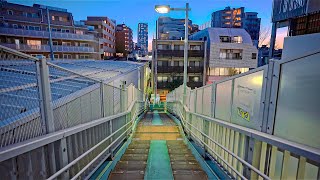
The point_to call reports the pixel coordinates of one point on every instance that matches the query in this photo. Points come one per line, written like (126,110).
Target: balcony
(180,53)
(195,69)
(170,69)
(46,48)
(45,34)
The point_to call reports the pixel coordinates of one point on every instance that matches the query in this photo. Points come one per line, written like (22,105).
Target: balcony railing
(46,48)
(179,69)
(45,34)
(180,53)
(195,69)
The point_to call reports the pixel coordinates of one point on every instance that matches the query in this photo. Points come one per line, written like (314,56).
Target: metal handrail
(55,175)
(31,144)
(297,148)
(225,149)
(17,53)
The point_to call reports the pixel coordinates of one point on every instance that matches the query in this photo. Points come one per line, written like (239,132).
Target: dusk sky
(131,12)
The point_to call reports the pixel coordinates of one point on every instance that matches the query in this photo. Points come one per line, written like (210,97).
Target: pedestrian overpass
(58,123)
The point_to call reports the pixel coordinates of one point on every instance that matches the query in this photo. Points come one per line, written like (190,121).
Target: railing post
(102,99)
(47,119)
(213,100)
(46,113)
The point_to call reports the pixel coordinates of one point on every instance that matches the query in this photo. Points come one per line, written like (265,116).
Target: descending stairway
(157,151)
(184,164)
(133,163)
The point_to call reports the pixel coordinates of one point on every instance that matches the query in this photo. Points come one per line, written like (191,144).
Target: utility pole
(50,36)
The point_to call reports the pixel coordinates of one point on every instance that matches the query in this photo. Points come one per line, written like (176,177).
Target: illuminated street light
(165,9)
(162,9)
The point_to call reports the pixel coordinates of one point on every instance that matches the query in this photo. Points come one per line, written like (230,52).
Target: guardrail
(259,124)
(45,34)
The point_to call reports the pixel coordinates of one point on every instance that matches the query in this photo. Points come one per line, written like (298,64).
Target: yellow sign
(243,114)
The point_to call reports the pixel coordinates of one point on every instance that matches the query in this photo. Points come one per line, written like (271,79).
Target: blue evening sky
(131,12)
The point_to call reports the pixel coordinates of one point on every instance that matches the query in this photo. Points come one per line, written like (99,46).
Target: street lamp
(166,9)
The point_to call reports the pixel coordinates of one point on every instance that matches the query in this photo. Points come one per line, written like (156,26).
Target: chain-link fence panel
(20,99)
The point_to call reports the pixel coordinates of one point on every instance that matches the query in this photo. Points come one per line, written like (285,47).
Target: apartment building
(238,18)
(25,28)
(124,42)
(106,29)
(229,51)
(169,64)
(143,38)
(171,28)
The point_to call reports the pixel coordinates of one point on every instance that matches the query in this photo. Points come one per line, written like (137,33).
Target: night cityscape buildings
(171,28)
(143,38)
(124,41)
(238,18)
(25,28)
(106,32)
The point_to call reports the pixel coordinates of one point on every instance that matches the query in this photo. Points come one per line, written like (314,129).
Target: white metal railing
(75,123)
(245,127)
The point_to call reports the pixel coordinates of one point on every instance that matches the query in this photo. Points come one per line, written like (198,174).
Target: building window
(56,56)
(34,44)
(162,79)
(84,44)
(226,71)
(195,47)
(226,39)
(163,47)
(194,79)
(66,56)
(55,43)
(66,43)
(84,56)
(37,28)
(237,39)
(15,26)
(10,12)
(254,56)
(178,47)
(230,54)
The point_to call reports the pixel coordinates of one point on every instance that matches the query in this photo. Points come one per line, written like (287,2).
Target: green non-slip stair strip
(156,120)
(158,166)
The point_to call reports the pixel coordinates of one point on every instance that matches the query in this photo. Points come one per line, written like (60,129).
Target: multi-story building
(170,28)
(106,29)
(238,18)
(229,51)
(169,64)
(143,38)
(124,43)
(25,28)
(263,55)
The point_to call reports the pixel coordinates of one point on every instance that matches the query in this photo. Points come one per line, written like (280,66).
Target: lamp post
(166,9)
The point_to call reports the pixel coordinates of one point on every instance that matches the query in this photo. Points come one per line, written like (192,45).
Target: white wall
(297,46)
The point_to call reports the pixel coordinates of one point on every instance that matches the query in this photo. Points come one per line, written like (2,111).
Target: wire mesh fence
(19,105)
(76,103)
(75,98)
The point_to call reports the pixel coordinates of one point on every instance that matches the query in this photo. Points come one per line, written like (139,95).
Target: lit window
(237,39)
